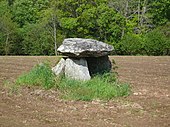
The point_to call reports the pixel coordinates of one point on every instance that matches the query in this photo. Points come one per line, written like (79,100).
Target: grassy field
(147,106)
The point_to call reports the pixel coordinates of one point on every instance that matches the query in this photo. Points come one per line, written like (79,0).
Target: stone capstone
(78,47)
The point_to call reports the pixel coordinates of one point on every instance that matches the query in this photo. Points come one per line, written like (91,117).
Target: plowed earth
(147,106)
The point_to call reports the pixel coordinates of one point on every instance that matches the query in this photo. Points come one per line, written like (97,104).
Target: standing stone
(59,69)
(77,69)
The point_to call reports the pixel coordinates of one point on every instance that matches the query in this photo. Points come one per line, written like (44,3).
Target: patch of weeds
(40,75)
(114,67)
(137,112)
(100,87)
(12,88)
(103,87)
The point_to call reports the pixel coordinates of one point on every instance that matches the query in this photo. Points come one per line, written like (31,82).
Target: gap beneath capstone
(98,65)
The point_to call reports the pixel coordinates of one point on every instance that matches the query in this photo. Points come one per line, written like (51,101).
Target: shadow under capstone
(98,65)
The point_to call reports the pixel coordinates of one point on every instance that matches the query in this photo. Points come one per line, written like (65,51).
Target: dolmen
(83,59)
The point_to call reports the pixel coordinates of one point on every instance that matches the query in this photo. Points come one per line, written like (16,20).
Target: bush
(131,44)
(155,43)
(102,87)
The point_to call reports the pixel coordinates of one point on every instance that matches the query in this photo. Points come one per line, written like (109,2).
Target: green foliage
(110,24)
(165,29)
(27,11)
(37,27)
(8,30)
(36,40)
(99,87)
(102,87)
(156,43)
(40,75)
(89,19)
(160,10)
(131,44)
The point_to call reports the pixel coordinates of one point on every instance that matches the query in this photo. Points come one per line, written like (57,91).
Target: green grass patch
(40,75)
(96,88)
(103,87)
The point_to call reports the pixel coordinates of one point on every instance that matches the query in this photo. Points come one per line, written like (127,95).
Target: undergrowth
(103,87)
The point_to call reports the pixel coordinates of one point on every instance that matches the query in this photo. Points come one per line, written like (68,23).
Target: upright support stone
(77,69)
(59,69)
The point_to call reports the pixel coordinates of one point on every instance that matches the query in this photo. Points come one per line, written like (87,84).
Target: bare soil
(147,106)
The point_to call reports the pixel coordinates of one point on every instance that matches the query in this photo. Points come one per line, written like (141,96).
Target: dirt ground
(147,106)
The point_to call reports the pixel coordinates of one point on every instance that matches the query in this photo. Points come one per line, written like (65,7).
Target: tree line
(38,27)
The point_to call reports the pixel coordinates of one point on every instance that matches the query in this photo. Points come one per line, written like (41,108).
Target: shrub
(131,44)
(155,43)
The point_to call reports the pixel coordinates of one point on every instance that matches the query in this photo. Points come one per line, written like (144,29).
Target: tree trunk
(143,13)
(6,45)
(54,34)
(125,14)
(138,13)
